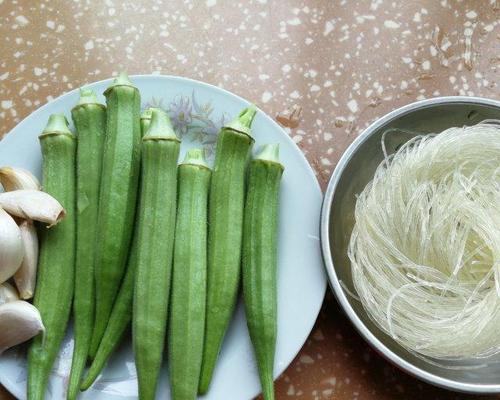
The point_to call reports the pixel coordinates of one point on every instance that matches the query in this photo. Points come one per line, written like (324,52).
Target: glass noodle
(425,248)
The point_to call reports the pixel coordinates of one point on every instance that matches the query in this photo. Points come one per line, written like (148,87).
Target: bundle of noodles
(425,248)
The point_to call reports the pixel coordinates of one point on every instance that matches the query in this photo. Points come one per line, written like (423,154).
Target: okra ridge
(269,163)
(202,167)
(106,92)
(57,125)
(242,134)
(158,138)
(87,97)
(195,158)
(81,105)
(269,154)
(57,133)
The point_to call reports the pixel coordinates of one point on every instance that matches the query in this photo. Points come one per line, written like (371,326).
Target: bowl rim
(333,280)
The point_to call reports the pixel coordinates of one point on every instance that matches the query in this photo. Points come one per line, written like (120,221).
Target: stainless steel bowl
(354,170)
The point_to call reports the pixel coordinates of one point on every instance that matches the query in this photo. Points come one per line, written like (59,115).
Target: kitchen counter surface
(326,69)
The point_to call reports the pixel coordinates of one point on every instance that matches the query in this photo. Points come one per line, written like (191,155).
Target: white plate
(301,280)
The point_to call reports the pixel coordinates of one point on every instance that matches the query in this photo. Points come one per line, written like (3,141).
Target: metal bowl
(354,170)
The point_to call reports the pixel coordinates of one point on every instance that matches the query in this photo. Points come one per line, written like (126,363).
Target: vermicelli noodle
(425,248)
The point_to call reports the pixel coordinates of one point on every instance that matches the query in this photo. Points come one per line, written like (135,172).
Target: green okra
(188,299)
(118,321)
(89,118)
(117,198)
(259,260)
(54,289)
(155,235)
(120,315)
(226,203)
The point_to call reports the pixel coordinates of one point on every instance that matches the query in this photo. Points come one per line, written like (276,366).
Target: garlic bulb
(25,277)
(19,322)
(32,204)
(14,178)
(7,293)
(11,246)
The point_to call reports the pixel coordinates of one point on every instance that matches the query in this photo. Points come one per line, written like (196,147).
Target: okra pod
(226,202)
(156,226)
(118,321)
(89,118)
(259,260)
(188,300)
(120,315)
(117,198)
(54,289)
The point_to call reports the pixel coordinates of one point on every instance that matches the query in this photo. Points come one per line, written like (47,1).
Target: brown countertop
(344,62)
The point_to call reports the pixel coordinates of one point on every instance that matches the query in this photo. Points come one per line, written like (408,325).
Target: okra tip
(146,120)
(122,79)
(247,115)
(195,157)
(57,123)
(161,126)
(269,152)
(87,96)
(147,113)
(243,122)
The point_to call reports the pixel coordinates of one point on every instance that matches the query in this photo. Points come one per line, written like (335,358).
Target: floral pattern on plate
(193,120)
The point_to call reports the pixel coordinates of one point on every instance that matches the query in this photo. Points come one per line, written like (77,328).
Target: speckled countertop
(345,63)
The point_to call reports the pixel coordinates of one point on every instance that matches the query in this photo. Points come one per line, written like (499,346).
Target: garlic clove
(19,322)
(11,246)
(14,178)
(25,277)
(32,204)
(7,293)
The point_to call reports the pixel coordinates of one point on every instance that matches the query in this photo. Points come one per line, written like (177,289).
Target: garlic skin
(15,178)
(19,322)
(11,246)
(32,204)
(7,293)
(25,277)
